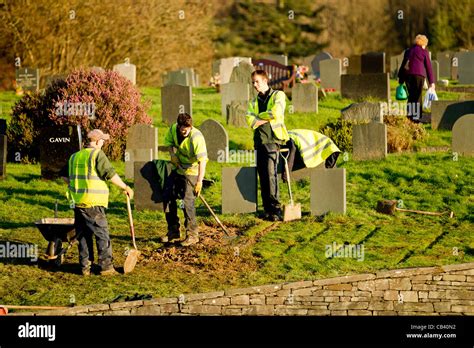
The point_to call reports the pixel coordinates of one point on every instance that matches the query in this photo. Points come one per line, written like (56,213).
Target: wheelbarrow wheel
(58,246)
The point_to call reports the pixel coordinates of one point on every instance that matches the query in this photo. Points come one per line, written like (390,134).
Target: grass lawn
(265,252)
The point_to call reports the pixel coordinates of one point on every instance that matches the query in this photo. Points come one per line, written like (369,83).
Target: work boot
(86,271)
(108,272)
(171,236)
(191,239)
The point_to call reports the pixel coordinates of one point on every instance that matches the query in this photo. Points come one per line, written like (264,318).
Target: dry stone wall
(444,290)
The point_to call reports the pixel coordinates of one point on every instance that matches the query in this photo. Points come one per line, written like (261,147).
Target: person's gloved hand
(198,188)
(128,191)
(175,160)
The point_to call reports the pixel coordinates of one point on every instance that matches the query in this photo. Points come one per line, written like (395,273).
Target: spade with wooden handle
(390,207)
(134,253)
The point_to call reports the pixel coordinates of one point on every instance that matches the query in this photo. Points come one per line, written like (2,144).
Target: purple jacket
(419,63)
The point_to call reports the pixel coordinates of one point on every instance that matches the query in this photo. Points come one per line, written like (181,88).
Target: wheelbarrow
(56,231)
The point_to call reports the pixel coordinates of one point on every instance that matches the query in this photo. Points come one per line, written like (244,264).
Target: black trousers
(90,222)
(267,166)
(177,187)
(414,85)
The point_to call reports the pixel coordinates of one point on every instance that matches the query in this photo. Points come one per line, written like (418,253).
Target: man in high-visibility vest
(88,170)
(313,148)
(188,152)
(266,116)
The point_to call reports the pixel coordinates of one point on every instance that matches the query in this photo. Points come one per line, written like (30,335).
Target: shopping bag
(429,97)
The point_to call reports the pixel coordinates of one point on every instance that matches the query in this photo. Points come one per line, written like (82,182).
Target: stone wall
(444,290)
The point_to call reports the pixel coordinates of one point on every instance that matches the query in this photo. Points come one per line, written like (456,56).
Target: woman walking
(416,66)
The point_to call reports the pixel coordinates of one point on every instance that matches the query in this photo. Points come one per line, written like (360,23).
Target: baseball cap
(97,134)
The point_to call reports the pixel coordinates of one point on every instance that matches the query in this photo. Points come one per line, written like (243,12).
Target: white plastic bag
(429,97)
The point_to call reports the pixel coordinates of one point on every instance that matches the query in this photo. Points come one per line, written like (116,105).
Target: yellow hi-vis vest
(190,152)
(314,147)
(86,189)
(275,114)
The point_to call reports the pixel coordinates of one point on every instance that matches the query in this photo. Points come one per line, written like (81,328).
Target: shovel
(291,211)
(133,254)
(390,207)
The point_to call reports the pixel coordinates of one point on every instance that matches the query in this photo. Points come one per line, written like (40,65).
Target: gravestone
(363,112)
(136,155)
(305,97)
(328,191)
(435,68)
(463,139)
(239,190)
(27,78)
(365,85)
(143,136)
(316,60)
(3,156)
(355,65)
(279,58)
(369,141)
(444,60)
(306,61)
(3,126)
(57,144)
(224,67)
(234,91)
(330,72)
(217,140)
(455,65)
(373,63)
(466,68)
(175,99)
(242,73)
(127,70)
(445,113)
(148,193)
(236,114)
(178,77)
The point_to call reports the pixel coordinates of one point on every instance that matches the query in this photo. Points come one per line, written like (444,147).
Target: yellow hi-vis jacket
(314,147)
(86,189)
(275,114)
(190,152)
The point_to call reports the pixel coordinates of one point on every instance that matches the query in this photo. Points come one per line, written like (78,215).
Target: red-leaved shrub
(92,99)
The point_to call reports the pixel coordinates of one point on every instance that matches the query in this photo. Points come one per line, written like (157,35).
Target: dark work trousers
(267,165)
(414,85)
(177,187)
(90,222)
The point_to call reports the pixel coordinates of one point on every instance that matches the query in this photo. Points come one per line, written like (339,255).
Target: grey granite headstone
(127,70)
(217,140)
(363,112)
(224,67)
(455,65)
(445,113)
(178,77)
(279,58)
(236,114)
(355,65)
(28,78)
(365,85)
(57,144)
(316,60)
(143,136)
(373,63)
(369,141)
(148,193)
(463,139)
(444,59)
(239,190)
(435,68)
(330,72)
(234,91)
(3,156)
(305,97)
(466,68)
(175,99)
(136,155)
(328,191)
(3,126)
(242,73)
